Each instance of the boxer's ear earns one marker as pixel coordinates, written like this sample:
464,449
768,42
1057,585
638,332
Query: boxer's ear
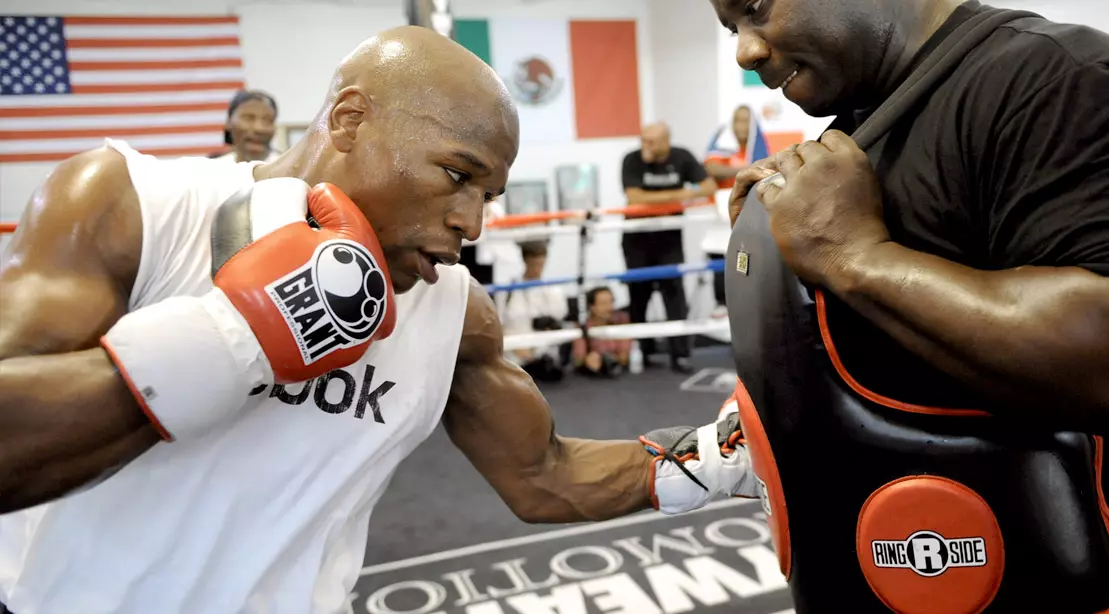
351,108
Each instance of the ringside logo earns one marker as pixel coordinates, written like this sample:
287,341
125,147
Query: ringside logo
335,301
929,554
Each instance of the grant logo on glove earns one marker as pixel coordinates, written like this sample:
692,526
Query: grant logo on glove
337,300
315,298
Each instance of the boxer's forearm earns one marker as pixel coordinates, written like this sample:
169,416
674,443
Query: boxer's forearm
65,420
1033,337
584,479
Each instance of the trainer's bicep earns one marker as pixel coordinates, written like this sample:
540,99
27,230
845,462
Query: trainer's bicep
495,413
66,275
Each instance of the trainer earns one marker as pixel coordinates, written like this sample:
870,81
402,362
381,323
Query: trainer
928,419
208,382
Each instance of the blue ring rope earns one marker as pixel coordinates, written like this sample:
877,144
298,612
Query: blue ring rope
650,273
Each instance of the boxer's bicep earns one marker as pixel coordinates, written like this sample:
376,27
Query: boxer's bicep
502,423
495,414
65,415
67,273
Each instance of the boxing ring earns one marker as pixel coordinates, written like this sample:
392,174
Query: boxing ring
588,225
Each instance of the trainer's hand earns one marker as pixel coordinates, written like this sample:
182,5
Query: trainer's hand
744,179
829,210
693,466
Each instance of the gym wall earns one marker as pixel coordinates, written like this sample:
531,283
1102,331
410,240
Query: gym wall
687,76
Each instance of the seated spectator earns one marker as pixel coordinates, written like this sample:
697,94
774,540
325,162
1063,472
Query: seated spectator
602,357
535,309
251,118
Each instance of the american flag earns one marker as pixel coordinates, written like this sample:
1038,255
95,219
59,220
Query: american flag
160,83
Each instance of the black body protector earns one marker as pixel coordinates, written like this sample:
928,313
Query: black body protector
878,505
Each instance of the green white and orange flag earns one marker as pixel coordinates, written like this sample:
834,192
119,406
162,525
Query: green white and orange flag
570,79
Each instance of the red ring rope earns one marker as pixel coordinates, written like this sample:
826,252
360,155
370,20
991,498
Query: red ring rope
526,219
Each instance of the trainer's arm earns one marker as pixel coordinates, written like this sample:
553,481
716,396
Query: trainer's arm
502,423
66,416
1037,337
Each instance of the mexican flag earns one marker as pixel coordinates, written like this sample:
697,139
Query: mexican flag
570,79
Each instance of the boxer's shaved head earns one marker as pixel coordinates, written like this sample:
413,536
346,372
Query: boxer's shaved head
420,133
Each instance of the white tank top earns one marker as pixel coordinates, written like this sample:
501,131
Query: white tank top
268,514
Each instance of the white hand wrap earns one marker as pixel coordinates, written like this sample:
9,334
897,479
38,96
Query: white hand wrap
190,362
723,475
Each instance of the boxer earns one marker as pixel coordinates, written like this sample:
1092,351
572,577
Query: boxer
920,310
210,372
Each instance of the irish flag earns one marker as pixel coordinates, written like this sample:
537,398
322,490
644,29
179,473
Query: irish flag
570,79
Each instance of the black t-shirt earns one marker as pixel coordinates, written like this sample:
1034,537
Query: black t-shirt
1006,164
679,168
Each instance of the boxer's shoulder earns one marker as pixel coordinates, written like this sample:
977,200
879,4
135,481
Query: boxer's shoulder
89,202
482,335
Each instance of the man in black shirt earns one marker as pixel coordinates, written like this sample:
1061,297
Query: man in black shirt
964,261
659,174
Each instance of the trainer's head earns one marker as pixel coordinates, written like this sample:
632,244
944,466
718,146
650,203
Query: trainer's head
420,134
842,55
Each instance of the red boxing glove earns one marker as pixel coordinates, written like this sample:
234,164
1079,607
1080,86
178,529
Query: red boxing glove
290,303
315,299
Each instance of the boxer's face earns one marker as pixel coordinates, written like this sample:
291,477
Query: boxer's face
826,52
423,179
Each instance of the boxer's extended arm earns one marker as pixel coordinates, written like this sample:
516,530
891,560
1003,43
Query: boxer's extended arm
66,416
501,421
1035,336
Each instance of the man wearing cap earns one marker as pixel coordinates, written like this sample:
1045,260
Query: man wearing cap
249,128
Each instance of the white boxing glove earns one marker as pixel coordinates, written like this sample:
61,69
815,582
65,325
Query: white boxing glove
696,465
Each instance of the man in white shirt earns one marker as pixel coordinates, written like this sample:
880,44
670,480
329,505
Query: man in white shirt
533,309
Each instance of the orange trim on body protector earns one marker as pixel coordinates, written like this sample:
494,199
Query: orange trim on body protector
833,354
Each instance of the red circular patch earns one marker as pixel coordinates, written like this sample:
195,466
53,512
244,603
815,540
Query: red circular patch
930,545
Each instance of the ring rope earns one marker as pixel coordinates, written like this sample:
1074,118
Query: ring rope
577,215
648,273
649,330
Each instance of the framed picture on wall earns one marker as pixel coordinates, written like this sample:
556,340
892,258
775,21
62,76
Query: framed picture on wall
577,187
523,197
287,135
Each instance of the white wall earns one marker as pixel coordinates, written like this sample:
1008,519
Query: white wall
297,79
683,43
537,160
297,75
